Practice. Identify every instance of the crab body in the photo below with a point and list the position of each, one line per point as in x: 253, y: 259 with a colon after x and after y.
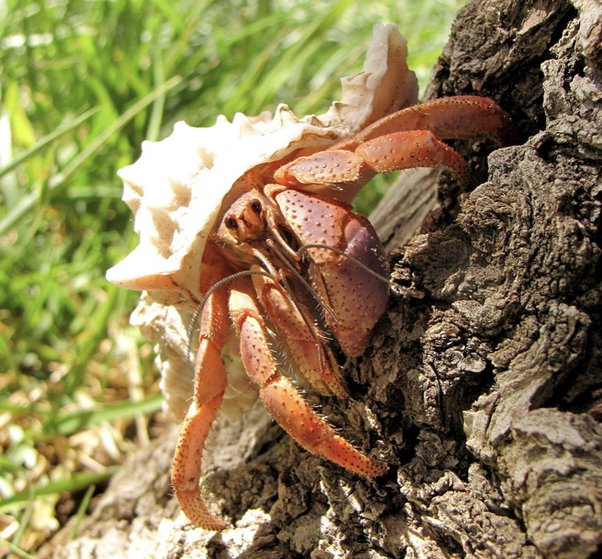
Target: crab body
x: 270, y: 244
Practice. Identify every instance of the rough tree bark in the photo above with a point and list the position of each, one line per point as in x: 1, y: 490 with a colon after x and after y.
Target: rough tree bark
x: 482, y: 386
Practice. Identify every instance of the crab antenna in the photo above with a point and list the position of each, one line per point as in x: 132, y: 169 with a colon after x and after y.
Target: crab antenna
x: 307, y: 246
x: 217, y: 285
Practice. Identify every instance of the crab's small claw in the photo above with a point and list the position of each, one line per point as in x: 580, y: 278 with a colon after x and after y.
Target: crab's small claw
x: 301, y: 337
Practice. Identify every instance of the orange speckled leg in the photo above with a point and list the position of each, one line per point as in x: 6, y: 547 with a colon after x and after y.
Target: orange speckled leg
x: 280, y: 396
x: 209, y: 386
x: 456, y: 117
x: 409, y: 149
x: 402, y: 140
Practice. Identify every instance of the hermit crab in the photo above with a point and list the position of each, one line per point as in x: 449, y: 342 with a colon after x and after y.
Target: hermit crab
x: 248, y: 223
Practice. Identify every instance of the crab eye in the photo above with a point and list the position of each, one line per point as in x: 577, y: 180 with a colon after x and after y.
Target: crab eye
x: 256, y: 206
x: 230, y: 223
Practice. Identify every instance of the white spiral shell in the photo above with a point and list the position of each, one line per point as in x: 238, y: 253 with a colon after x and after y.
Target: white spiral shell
x: 177, y: 187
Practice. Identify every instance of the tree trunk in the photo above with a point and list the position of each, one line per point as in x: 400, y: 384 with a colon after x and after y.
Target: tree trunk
x: 482, y: 386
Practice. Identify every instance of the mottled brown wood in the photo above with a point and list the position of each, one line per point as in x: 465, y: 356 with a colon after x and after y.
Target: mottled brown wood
x: 482, y: 387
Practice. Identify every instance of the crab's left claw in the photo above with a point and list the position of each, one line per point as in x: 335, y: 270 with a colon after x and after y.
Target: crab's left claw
x: 348, y: 267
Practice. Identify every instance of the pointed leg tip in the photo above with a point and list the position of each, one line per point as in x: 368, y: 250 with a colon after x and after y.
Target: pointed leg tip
x: 196, y: 511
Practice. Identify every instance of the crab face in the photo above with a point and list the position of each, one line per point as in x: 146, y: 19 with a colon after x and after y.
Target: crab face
x: 245, y: 221
x: 266, y: 238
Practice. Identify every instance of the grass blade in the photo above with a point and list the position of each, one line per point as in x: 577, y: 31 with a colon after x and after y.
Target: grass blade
x: 69, y: 423
x: 76, y: 482
x: 34, y: 150
x: 16, y: 550
x: 55, y: 182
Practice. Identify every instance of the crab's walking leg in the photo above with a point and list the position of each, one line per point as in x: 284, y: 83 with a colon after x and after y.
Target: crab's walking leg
x: 409, y: 149
x: 391, y: 152
x: 280, y: 396
x: 405, y: 139
x: 458, y: 117
x: 209, y: 386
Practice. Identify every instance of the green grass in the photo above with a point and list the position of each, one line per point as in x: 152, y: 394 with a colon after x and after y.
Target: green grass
x: 82, y: 83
